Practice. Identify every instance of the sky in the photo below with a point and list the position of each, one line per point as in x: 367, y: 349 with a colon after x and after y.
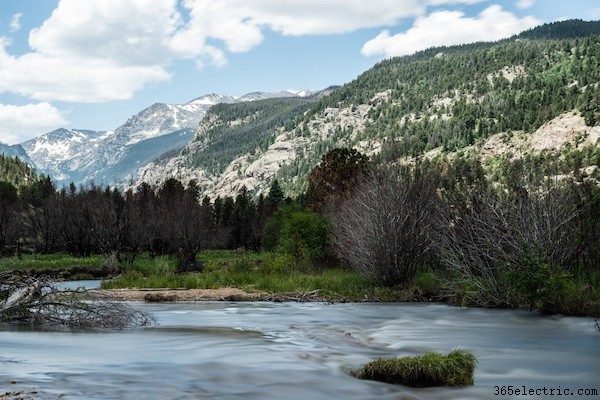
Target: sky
x: 91, y: 64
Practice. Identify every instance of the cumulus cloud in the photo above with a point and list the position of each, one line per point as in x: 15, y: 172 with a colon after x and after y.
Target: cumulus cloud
x: 102, y: 50
x: 15, y: 22
x: 302, y: 17
x: 446, y: 28
x: 42, y: 77
x: 94, y: 51
x: 239, y: 24
x: 522, y: 4
x: 19, y: 123
x: 126, y: 32
x: 447, y: 2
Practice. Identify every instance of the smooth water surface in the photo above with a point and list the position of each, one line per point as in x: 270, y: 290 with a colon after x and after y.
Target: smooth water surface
x: 74, y: 285
x: 228, y: 350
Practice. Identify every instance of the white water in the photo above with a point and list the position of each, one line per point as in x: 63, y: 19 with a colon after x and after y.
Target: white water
x: 221, y: 350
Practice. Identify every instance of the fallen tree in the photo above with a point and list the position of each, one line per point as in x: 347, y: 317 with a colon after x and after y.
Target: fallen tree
x: 38, y: 302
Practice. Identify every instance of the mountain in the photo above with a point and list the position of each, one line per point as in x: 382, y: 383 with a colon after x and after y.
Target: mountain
x: 15, y: 151
x: 111, y: 158
x: 65, y: 154
x: 81, y: 156
x: 227, y: 132
x: 534, y: 95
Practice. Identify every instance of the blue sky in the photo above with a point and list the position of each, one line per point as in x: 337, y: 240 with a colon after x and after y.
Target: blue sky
x: 90, y: 64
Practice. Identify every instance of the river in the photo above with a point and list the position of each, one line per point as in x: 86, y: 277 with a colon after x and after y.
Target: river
x: 259, y: 350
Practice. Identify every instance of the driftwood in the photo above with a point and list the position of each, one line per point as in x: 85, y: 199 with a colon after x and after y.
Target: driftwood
x: 37, y: 302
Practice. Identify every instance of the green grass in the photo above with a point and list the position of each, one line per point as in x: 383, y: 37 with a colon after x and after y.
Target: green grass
x: 431, y: 369
x: 265, y: 272
x: 275, y: 273
x: 49, y: 261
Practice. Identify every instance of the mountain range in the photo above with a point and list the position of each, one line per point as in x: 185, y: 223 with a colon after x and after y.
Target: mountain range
x: 112, y: 157
x: 535, y: 94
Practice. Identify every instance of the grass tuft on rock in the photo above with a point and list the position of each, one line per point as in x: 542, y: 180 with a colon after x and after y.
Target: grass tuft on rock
x: 430, y: 369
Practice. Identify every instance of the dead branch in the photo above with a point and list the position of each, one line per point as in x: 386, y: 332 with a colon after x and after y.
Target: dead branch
x: 37, y: 302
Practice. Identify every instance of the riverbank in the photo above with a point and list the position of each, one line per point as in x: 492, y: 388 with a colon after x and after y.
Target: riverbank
x: 270, y: 276
x: 160, y: 295
x: 220, y: 294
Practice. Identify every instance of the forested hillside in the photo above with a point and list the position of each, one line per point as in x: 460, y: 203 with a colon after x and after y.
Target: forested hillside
x: 242, y: 128
x: 437, y: 101
x: 15, y: 172
x: 453, y: 97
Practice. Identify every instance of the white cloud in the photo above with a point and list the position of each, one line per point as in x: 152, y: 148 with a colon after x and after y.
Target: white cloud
x: 339, y: 15
x: 141, y: 31
x: 522, y: 4
x: 46, y: 78
x: 445, y: 2
x: 15, y: 22
x: 446, y: 28
x: 102, y: 50
x: 126, y: 32
x: 239, y: 24
x: 19, y: 123
x: 93, y: 51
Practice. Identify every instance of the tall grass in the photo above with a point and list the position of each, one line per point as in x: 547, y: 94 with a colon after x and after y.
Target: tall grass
x: 264, y: 272
x: 48, y: 261
x: 431, y: 369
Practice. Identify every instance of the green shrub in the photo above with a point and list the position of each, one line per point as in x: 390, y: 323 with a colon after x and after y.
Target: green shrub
x: 430, y: 369
x: 543, y: 288
x: 300, y: 233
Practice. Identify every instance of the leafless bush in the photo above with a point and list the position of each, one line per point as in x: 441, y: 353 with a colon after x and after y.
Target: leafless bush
x: 37, y: 301
x: 491, y: 231
x: 383, y: 230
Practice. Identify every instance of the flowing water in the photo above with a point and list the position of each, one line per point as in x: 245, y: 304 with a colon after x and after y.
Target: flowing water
x: 229, y: 350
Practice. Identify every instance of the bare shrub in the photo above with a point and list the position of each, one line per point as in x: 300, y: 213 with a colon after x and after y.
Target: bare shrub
x: 383, y: 230
x: 491, y: 232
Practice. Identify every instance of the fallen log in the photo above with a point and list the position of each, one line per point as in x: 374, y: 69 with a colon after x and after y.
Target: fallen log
x: 38, y: 302
x: 19, y: 296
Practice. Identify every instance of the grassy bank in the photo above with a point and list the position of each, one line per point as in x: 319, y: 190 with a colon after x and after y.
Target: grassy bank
x: 48, y: 262
x: 265, y: 272
x: 274, y: 273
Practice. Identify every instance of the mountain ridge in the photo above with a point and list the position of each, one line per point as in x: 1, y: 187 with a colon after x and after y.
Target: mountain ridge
x: 445, y: 98
x: 437, y: 101
x: 112, y: 157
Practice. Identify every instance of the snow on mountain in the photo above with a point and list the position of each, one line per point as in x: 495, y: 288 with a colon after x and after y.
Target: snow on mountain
x: 213, y: 98
x: 302, y: 93
x: 159, y: 119
x: 64, y: 154
x: 113, y: 157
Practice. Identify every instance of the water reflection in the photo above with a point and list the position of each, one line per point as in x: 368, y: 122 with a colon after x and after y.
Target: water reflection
x: 297, y: 351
